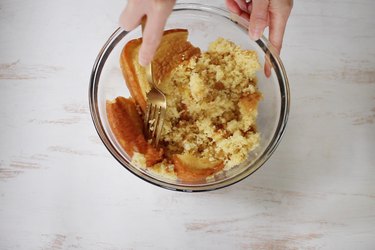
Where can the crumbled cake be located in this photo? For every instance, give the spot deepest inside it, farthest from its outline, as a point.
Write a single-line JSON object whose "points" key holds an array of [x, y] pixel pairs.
{"points": [[163, 168], [212, 105], [212, 100]]}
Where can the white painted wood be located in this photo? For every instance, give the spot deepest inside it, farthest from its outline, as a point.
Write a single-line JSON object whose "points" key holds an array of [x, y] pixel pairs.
{"points": [[61, 189]]}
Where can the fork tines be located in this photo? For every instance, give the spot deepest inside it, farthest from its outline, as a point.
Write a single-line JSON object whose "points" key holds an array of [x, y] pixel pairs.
{"points": [[153, 122]]}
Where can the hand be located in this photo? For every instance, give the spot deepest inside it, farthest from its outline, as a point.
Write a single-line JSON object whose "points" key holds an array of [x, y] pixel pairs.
{"points": [[263, 13], [157, 12]]}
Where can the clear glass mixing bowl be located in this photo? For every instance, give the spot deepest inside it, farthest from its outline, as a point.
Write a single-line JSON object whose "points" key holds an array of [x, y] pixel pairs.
{"points": [[205, 24]]}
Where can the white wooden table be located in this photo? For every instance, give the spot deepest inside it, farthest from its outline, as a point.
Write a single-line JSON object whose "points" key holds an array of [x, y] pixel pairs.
{"points": [[61, 189]]}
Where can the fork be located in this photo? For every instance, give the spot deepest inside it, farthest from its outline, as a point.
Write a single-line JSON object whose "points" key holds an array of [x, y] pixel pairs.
{"points": [[156, 105]]}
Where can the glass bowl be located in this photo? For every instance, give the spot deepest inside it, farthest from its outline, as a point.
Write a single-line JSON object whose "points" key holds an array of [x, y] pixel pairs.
{"points": [[205, 24]]}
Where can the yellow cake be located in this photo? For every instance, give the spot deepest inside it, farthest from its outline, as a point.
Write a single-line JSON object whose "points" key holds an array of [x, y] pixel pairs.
{"points": [[212, 105], [210, 122]]}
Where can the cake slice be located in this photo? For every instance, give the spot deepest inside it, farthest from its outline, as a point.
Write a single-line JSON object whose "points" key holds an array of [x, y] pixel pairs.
{"points": [[173, 50], [193, 169], [127, 126]]}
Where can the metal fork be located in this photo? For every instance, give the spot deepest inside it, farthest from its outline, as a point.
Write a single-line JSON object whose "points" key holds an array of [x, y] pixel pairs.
{"points": [[156, 105]]}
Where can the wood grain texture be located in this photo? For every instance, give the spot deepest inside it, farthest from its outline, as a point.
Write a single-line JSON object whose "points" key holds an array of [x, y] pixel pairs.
{"points": [[61, 189]]}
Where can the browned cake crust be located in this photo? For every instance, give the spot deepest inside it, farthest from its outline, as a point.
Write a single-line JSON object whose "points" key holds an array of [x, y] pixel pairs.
{"points": [[126, 125], [174, 49]]}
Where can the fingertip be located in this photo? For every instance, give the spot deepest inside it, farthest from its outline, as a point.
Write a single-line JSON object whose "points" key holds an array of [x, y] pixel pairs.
{"points": [[146, 52], [267, 70], [255, 33], [142, 62], [257, 26], [123, 25], [127, 25], [122, 21], [142, 59]]}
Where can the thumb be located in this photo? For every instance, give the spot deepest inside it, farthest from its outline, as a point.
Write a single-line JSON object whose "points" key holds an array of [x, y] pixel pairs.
{"points": [[258, 18]]}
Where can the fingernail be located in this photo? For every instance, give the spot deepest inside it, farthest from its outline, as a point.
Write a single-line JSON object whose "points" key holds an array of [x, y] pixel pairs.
{"points": [[122, 23], [255, 33], [142, 60]]}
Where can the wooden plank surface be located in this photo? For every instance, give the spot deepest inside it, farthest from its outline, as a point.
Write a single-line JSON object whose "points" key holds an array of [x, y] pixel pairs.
{"points": [[61, 189]]}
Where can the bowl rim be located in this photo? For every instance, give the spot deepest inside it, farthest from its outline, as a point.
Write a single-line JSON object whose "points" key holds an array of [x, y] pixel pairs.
{"points": [[263, 43]]}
